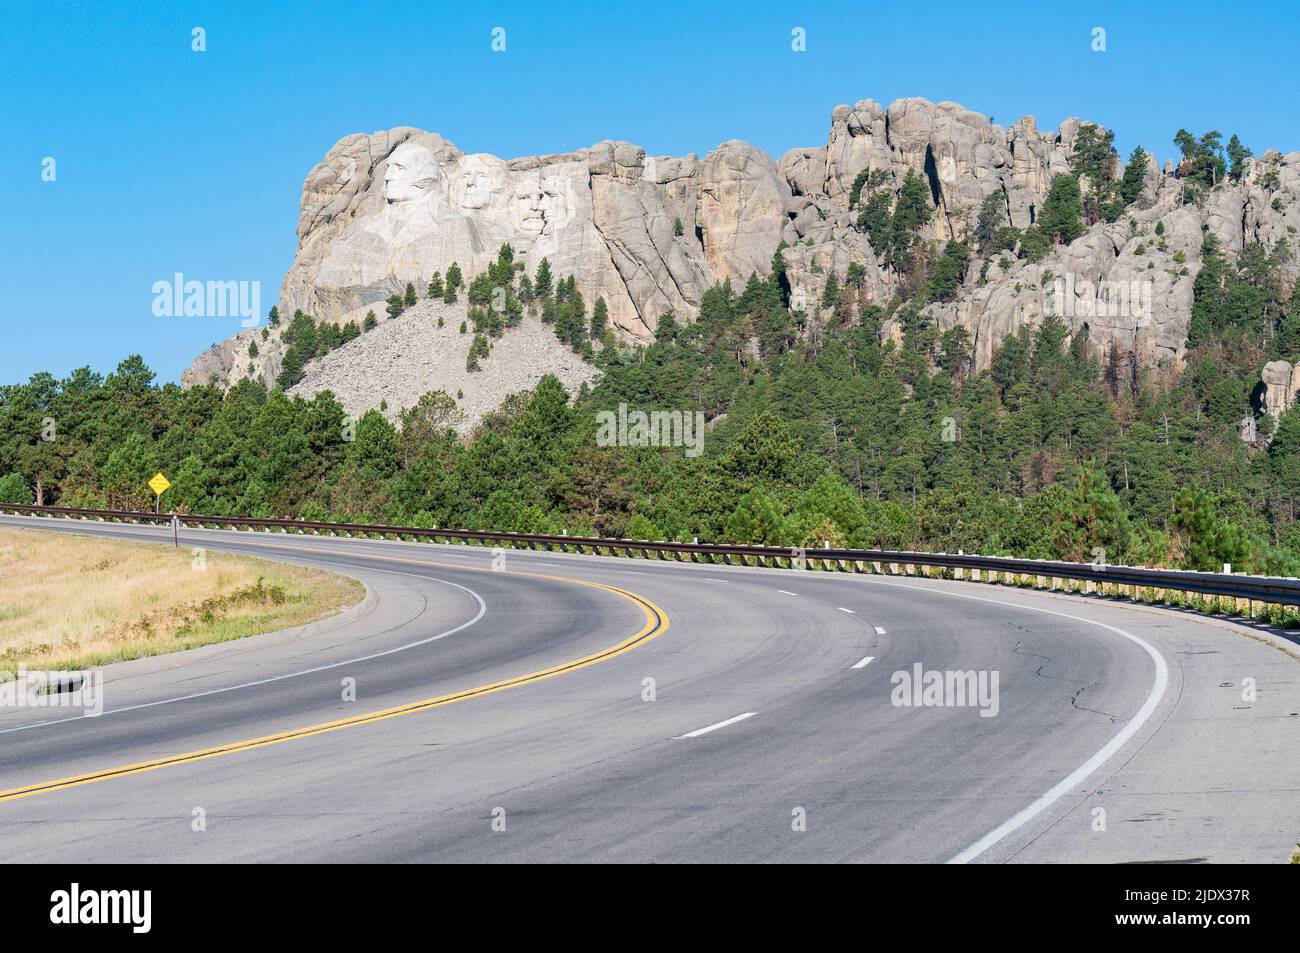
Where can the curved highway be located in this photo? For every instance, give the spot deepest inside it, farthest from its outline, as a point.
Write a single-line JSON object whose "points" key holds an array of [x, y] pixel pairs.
{"points": [[576, 708]]}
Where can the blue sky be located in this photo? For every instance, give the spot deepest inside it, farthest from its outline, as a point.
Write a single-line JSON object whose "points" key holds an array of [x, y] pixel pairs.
{"points": [[171, 160]]}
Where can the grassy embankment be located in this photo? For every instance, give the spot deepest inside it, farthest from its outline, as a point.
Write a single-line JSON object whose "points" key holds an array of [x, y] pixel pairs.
{"points": [[73, 602]]}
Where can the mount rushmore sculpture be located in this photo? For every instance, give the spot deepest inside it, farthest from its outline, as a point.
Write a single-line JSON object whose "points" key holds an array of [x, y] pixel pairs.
{"points": [[650, 234]]}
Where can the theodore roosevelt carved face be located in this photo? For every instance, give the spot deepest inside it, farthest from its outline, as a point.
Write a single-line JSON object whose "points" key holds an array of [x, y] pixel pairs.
{"points": [[412, 172]]}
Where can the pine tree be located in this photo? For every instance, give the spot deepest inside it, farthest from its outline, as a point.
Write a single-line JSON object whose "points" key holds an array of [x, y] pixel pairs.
{"points": [[945, 278], [452, 283], [1135, 172], [599, 319], [13, 489], [757, 520], [831, 292], [1205, 540], [542, 282], [911, 212], [993, 213], [1237, 156], [291, 371], [1061, 217], [1090, 522]]}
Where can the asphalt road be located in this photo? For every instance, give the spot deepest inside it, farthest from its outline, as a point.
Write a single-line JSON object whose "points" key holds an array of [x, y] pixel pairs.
{"points": [[556, 711]]}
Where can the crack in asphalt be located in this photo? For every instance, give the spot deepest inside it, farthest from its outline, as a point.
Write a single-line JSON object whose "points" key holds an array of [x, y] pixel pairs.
{"points": [[1074, 696]]}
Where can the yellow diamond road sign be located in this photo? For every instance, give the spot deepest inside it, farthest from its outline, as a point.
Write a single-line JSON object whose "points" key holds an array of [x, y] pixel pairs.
{"points": [[159, 483]]}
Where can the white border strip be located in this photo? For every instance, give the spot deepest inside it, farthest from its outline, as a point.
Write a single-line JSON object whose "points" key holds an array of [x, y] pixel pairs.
{"points": [[482, 609], [1081, 773]]}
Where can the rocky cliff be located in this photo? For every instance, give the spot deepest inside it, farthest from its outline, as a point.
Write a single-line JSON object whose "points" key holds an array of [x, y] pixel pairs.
{"points": [[651, 233]]}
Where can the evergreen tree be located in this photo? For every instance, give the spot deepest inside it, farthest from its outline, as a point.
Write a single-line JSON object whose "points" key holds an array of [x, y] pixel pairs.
{"points": [[831, 292], [1089, 522], [992, 216], [1134, 176], [1061, 217], [13, 489], [1237, 156], [452, 283], [1203, 539], [911, 213], [757, 520], [599, 319], [944, 280], [542, 282]]}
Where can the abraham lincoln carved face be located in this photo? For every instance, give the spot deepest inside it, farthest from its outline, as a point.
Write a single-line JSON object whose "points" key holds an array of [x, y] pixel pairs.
{"points": [[538, 206]]}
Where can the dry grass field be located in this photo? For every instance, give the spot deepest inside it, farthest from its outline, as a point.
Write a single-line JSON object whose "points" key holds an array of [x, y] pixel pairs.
{"points": [[73, 602]]}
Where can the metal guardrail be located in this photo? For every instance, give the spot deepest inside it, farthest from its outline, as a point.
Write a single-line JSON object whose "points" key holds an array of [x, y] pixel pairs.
{"points": [[1268, 589]]}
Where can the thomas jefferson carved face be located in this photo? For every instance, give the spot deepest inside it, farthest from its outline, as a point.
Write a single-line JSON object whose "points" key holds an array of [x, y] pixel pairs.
{"points": [[475, 181], [412, 172]]}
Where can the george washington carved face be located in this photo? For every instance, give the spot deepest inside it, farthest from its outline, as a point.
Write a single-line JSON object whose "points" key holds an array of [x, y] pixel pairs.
{"points": [[411, 174]]}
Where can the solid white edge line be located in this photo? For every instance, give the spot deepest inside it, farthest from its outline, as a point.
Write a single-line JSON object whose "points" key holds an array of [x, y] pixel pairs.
{"points": [[482, 610], [1019, 820], [1081, 773], [722, 724], [865, 662], [849, 611], [786, 592]]}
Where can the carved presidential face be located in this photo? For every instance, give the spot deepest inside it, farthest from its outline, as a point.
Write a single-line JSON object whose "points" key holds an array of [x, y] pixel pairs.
{"points": [[412, 172], [475, 181], [539, 205]]}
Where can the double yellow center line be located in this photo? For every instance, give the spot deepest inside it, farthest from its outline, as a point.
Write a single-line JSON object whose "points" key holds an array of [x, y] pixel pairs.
{"points": [[656, 624]]}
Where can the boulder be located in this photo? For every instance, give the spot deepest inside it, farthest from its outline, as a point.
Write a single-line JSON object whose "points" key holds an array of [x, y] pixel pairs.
{"points": [[1281, 386]]}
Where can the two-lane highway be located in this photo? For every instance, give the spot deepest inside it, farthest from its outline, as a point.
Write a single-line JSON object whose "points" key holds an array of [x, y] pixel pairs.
{"points": [[586, 708]]}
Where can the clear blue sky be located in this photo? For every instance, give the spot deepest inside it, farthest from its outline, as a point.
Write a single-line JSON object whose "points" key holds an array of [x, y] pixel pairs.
{"points": [[170, 160]]}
